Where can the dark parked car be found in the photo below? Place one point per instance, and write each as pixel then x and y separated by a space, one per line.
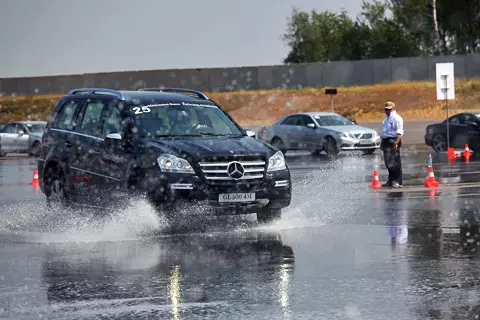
pixel 464 128
pixel 172 145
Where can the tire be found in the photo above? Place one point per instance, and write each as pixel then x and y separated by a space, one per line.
pixel 55 187
pixel 34 150
pixel 278 143
pixel 439 143
pixel 368 151
pixel 269 215
pixel 330 147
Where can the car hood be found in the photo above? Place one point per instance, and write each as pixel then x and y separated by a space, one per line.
pixel 206 146
pixel 351 128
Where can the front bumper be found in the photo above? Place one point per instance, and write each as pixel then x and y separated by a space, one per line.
pixel 428 140
pixel 359 144
pixel 274 191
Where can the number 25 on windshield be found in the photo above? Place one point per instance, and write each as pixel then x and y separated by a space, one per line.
pixel 141 110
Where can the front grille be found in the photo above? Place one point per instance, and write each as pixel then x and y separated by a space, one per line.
pixel 254 170
pixel 363 135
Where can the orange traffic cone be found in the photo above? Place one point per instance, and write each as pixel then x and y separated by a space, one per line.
pixel 451 153
pixel 431 182
pixel 375 182
pixel 35 181
pixel 466 151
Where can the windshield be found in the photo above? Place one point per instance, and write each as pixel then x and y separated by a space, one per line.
pixel 35 127
pixel 166 119
pixel 333 120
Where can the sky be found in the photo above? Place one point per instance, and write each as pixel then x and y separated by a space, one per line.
pixel 51 37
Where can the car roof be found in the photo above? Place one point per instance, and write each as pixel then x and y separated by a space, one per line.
pixel 28 122
pixel 321 113
pixel 147 95
pixel 131 96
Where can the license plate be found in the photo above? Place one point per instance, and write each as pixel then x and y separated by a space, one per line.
pixel 236 197
pixel 366 142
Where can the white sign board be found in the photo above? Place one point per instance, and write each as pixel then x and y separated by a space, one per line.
pixel 445 80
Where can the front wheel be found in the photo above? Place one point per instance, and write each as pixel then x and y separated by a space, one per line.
pixel 34 150
pixel 269 215
pixel 330 147
pixel 278 143
pixel 368 151
pixel 55 187
pixel 439 143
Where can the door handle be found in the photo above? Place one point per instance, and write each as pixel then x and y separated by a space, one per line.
pixel 68 144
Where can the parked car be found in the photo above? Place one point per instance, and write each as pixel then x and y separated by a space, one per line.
pixel 172 145
pixel 21 137
pixel 464 128
pixel 320 131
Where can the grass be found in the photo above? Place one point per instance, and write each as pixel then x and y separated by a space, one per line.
pixel 414 100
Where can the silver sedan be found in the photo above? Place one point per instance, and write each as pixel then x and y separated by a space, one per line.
pixel 21 137
pixel 320 131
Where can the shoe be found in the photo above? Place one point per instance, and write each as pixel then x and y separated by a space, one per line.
pixel 387 185
pixel 397 185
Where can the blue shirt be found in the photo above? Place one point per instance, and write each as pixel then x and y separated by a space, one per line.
pixel 392 125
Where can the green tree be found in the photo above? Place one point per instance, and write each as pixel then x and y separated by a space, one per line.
pixel 388 28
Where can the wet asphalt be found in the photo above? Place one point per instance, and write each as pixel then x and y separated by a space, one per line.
pixel 341 251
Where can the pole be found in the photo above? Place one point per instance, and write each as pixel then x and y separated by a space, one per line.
pixel 331 102
pixel 445 88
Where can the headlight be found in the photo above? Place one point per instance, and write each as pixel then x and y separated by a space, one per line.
pixel 346 135
pixel 276 162
pixel 170 163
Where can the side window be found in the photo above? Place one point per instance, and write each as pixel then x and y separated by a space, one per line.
pixel 91 122
pixel 454 120
pixel 65 116
pixel 305 120
pixel 291 121
pixel 10 128
pixel 113 122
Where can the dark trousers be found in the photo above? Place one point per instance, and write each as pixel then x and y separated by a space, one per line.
pixel 393 162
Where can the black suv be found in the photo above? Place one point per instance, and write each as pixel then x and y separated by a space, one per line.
pixel 173 145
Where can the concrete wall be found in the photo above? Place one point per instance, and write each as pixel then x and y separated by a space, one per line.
pixel 337 73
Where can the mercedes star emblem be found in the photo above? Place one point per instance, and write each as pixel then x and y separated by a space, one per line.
pixel 236 170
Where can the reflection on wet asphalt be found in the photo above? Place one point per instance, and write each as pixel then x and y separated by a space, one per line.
pixel 341 251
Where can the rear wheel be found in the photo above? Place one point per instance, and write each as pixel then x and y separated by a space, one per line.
pixel 269 215
pixel 55 187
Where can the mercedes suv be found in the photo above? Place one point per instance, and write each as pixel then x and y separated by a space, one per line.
pixel 172 145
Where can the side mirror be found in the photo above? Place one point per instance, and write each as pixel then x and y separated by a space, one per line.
pixel 21 133
pixel 311 125
pixel 251 133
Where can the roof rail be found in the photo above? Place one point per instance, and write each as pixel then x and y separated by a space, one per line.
pixel 116 93
pixel 180 90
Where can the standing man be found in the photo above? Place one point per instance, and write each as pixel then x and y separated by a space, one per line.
pixel 392 132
